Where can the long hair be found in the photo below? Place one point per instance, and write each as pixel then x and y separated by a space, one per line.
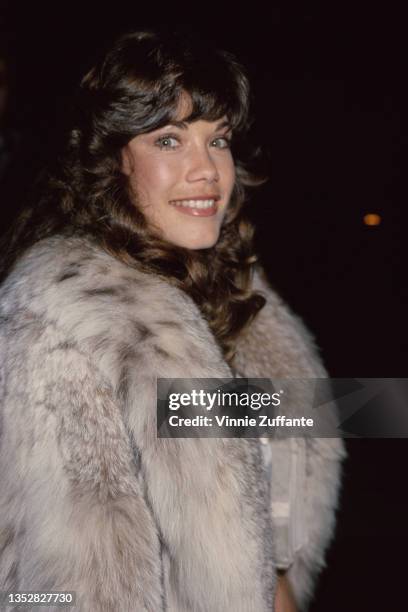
pixel 135 88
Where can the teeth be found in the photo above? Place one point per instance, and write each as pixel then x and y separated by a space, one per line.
pixel 195 203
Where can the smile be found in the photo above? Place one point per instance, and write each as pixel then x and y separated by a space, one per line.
pixel 195 203
pixel 197 208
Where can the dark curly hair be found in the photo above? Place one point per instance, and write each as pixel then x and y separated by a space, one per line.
pixel 136 88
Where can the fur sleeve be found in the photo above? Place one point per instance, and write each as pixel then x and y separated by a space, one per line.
pixel 306 473
pixel 90 497
pixel 72 513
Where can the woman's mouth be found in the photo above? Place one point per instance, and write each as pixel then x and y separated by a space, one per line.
pixel 196 208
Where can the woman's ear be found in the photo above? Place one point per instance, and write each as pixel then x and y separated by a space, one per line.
pixel 127 161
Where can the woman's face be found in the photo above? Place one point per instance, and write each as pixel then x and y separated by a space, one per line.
pixel 182 176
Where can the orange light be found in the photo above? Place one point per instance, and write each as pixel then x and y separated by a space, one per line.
pixel 372 219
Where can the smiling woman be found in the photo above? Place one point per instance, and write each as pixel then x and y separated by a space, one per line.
pixel 135 262
pixel 182 176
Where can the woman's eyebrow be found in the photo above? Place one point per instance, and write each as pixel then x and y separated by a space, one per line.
pixel 178 124
pixel 223 124
pixel 184 125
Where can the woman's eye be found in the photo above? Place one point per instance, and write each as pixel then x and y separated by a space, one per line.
pixel 222 142
pixel 167 142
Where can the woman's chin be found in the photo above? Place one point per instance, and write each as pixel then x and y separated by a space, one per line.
pixel 195 243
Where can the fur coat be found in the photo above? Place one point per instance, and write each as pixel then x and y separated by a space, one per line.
pixel 91 500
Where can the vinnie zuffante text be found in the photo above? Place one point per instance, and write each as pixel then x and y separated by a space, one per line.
pixel 261 420
pixel 219 399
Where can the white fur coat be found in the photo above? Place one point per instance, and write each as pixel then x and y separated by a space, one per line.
pixel 91 500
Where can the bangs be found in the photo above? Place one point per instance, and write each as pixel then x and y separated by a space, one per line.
pixel 217 89
pixel 213 104
pixel 188 105
pixel 212 82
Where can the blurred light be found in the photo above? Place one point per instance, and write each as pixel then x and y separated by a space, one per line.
pixel 372 219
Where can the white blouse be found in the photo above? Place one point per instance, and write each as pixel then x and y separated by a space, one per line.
pixel 287 492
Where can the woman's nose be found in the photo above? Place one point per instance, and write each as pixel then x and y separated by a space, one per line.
pixel 201 166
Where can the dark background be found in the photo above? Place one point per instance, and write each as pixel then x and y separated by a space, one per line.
pixel 329 90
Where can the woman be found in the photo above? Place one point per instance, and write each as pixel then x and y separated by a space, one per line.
pixel 137 263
